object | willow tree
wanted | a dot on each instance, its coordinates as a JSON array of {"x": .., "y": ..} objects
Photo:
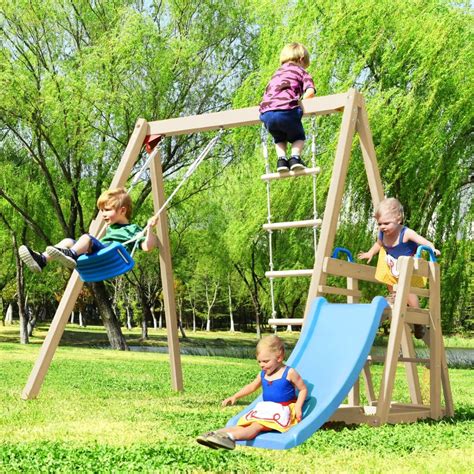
[
  {"x": 412, "y": 61},
  {"x": 76, "y": 76}
]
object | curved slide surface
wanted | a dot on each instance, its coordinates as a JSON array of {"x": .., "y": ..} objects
[{"x": 330, "y": 353}]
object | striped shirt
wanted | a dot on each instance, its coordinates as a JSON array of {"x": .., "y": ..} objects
[{"x": 285, "y": 88}]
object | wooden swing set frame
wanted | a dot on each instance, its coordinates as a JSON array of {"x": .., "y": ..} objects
[{"x": 381, "y": 409}]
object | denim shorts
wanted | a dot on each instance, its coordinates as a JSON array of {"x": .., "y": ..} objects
[
  {"x": 96, "y": 244},
  {"x": 284, "y": 125}
]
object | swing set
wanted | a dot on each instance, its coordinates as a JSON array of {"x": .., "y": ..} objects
[{"x": 400, "y": 349}]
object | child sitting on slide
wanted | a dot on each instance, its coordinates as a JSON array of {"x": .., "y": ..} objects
[
  {"x": 116, "y": 208},
  {"x": 281, "y": 408},
  {"x": 395, "y": 240}
]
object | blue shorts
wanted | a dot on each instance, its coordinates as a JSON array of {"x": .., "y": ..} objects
[
  {"x": 96, "y": 244},
  {"x": 284, "y": 125}
]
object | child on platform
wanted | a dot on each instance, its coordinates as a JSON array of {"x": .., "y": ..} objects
[
  {"x": 281, "y": 408},
  {"x": 395, "y": 240},
  {"x": 280, "y": 109},
  {"x": 116, "y": 208}
]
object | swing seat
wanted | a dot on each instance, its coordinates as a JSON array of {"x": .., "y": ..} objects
[{"x": 109, "y": 262}]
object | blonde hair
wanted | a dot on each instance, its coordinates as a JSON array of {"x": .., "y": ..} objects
[
  {"x": 295, "y": 52},
  {"x": 391, "y": 205},
  {"x": 116, "y": 198},
  {"x": 272, "y": 343}
]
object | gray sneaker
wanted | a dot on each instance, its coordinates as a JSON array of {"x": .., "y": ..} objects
[
  {"x": 35, "y": 261},
  {"x": 204, "y": 439},
  {"x": 220, "y": 440},
  {"x": 64, "y": 256}
]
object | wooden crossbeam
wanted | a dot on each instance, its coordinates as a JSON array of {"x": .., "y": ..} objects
[{"x": 323, "y": 105}]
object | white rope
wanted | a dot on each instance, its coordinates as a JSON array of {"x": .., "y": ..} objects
[
  {"x": 189, "y": 172},
  {"x": 264, "y": 139},
  {"x": 313, "y": 165}
]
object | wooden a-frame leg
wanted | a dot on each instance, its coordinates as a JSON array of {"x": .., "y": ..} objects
[
  {"x": 75, "y": 284},
  {"x": 166, "y": 269},
  {"x": 335, "y": 193}
]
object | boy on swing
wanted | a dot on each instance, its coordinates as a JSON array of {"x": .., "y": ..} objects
[{"x": 116, "y": 208}]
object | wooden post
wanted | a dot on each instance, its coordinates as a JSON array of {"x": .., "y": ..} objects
[
  {"x": 166, "y": 270},
  {"x": 336, "y": 189},
  {"x": 435, "y": 342},
  {"x": 393, "y": 347},
  {"x": 75, "y": 284},
  {"x": 354, "y": 394}
]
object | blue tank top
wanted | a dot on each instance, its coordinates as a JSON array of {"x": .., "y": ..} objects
[
  {"x": 406, "y": 249},
  {"x": 280, "y": 390}
]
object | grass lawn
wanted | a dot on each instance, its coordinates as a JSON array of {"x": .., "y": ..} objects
[{"x": 108, "y": 411}]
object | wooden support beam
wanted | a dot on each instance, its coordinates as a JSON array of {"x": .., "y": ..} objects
[
  {"x": 166, "y": 270},
  {"x": 323, "y": 105},
  {"x": 75, "y": 284},
  {"x": 335, "y": 193},
  {"x": 368, "y": 153},
  {"x": 393, "y": 347},
  {"x": 335, "y": 266}
]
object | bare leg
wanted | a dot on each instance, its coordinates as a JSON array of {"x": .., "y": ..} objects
[
  {"x": 64, "y": 244},
  {"x": 243, "y": 432},
  {"x": 82, "y": 245},
  {"x": 297, "y": 147},
  {"x": 281, "y": 149}
]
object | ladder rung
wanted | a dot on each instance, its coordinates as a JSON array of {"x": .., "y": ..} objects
[
  {"x": 416, "y": 360},
  {"x": 289, "y": 273},
  {"x": 286, "y": 322},
  {"x": 294, "y": 224},
  {"x": 291, "y": 174}
]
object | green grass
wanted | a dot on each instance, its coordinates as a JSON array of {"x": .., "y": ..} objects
[{"x": 108, "y": 411}]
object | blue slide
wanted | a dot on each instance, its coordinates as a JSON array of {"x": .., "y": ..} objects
[{"x": 330, "y": 353}]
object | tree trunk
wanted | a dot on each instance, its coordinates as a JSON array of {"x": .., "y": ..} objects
[
  {"x": 72, "y": 317},
  {"x": 9, "y": 315},
  {"x": 146, "y": 312},
  {"x": 110, "y": 321},
  {"x": 231, "y": 316},
  {"x": 20, "y": 294},
  {"x": 82, "y": 324}
]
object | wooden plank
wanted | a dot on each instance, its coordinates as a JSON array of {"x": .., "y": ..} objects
[
  {"x": 51, "y": 342},
  {"x": 368, "y": 153},
  {"x": 291, "y": 174},
  {"x": 286, "y": 322},
  {"x": 166, "y": 270},
  {"x": 335, "y": 193},
  {"x": 417, "y": 315},
  {"x": 435, "y": 341},
  {"x": 393, "y": 347},
  {"x": 333, "y": 290},
  {"x": 323, "y": 105},
  {"x": 417, "y": 360},
  {"x": 421, "y": 267},
  {"x": 292, "y": 225},
  {"x": 288, "y": 273},
  {"x": 74, "y": 286},
  {"x": 335, "y": 266}
]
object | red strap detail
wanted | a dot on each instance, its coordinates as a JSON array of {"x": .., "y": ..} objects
[{"x": 151, "y": 141}]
